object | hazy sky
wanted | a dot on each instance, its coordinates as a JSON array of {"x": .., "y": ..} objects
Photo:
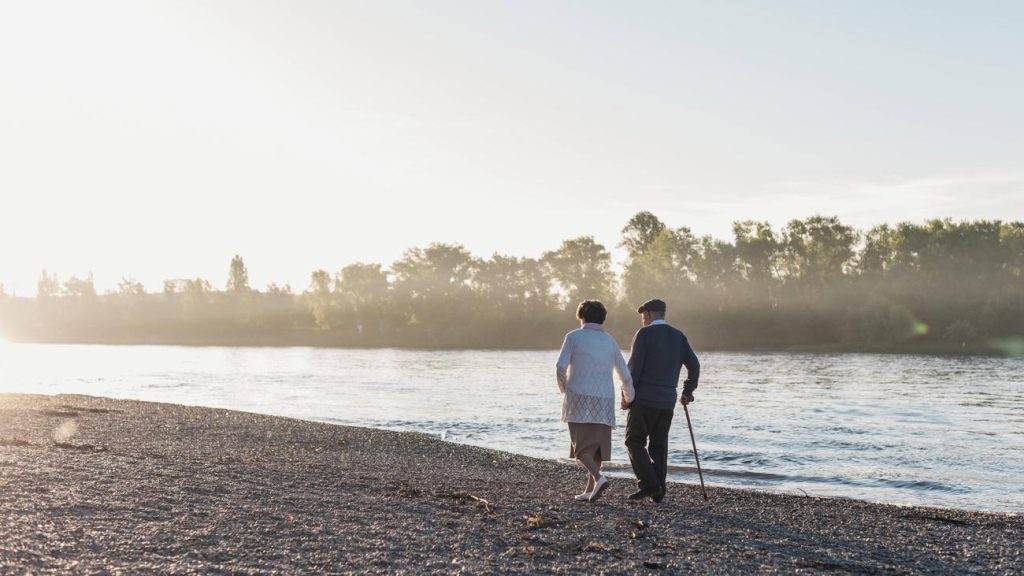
[{"x": 157, "y": 139}]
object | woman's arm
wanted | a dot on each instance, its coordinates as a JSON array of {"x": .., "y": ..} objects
[
  {"x": 562, "y": 366},
  {"x": 627, "y": 390}
]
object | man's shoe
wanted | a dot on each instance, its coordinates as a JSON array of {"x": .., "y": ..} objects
[
  {"x": 658, "y": 496},
  {"x": 599, "y": 488},
  {"x": 644, "y": 493}
]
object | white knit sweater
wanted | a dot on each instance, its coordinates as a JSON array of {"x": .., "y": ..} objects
[{"x": 584, "y": 371}]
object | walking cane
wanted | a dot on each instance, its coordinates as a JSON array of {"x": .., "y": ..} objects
[{"x": 697, "y": 458}]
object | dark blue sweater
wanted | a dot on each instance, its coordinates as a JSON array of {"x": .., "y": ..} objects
[{"x": 658, "y": 355}]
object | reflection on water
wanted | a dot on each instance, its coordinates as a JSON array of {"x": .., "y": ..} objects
[{"x": 902, "y": 429}]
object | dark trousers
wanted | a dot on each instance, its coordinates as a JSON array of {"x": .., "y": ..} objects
[{"x": 647, "y": 443}]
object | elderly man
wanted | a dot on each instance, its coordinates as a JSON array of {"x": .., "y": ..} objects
[{"x": 659, "y": 352}]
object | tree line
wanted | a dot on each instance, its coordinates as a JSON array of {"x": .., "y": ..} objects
[{"x": 816, "y": 283}]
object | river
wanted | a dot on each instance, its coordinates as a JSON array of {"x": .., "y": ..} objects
[{"x": 903, "y": 429}]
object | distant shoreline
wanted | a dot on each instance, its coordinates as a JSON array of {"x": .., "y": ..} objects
[
  {"x": 94, "y": 484},
  {"x": 328, "y": 340}
]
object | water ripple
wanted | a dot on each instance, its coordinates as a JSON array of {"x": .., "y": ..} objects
[{"x": 878, "y": 427}]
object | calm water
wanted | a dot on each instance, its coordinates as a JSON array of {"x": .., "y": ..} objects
[{"x": 900, "y": 429}]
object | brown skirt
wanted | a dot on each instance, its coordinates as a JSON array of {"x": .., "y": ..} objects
[{"x": 587, "y": 438}]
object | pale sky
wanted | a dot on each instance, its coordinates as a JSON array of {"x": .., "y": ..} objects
[{"x": 157, "y": 139}]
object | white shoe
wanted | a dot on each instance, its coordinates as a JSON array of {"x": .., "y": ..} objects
[
  {"x": 599, "y": 487},
  {"x": 582, "y": 497}
]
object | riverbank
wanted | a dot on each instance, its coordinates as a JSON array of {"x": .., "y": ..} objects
[
  {"x": 1006, "y": 347},
  {"x": 92, "y": 484}
]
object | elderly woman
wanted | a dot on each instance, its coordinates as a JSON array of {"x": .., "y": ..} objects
[{"x": 584, "y": 371}]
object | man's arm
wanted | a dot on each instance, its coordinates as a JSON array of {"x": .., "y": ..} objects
[
  {"x": 692, "y": 371},
  {"x": 636, "y": 357}
]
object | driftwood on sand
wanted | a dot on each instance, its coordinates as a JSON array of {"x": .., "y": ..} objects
[{"x": 97, "y": 485}]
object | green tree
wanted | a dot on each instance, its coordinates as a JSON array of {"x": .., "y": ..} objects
[
  {"x": 515, "y": 287},
  {"x": 714, "y": 267},
  {"x": 1011, "y": 237},
  {"x": 238, "y": 276},
  {"x": 583, "y": 269},
  {"x": 640, "y": 232},
  {"x": 279, "y": 290},
  {"x": 81, "y": 288},
  {"x": 966, "y": 250},
  {"x": 433, "y": 288},
  {"x": 48, "y": 286},
  {"x": 130, "y": 287},
  {"x": 319, "y": 282},
  {"x": 878, "y": 254},
  {"x": 818, "y": 249},
  {"x": 318, "y": 298},
  {"x": 958, "y": 284},
  {"x": 757, "y": 250},
  {"x": 907, "y": 242},
  {"x": 439, "y": 270},
  {"x": 198, "y": 290},
  {"x": 535, "y": 279},
  {"x": 665, "y": 268},
  {"x": 364, "y": 294}
]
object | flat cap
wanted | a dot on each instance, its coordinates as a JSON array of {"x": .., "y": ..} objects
[{"x": 651, "y": 306}]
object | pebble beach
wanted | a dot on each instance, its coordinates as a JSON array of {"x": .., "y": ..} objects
[{"x": 93, "y": 485}]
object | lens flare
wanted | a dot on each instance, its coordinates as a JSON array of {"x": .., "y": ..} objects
[
  {"x": 1012, "y": 347},
  {"x": 65, "y": 431}
]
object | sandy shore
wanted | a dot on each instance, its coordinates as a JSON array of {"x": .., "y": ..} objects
[{"x": 106, "y": 486}]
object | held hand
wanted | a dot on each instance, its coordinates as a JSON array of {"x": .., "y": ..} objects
[
  {"x": 686, "y": 399},
  {"x": 623, "y": 404}
]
